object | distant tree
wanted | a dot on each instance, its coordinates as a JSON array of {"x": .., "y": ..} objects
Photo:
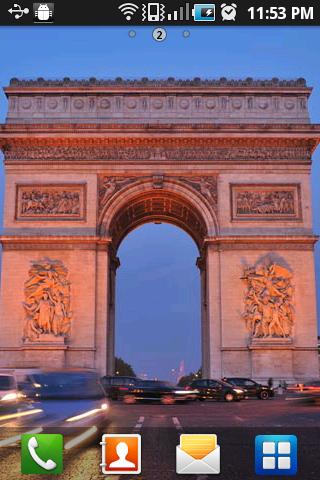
[
  {"x": 124, "y": 369},
  {"x": 184, "y": 381}
]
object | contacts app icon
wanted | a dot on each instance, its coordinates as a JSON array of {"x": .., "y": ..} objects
[{"x": 121, "y": 454}]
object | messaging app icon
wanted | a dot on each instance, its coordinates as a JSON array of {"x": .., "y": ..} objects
[
  {"x": 198, "y": 454},
  {"x": 42, "y": 454}
]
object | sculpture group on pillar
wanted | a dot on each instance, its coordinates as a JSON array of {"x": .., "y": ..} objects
[
  {"x": 47, "y": 300},
  {"x": 269, "y": 311}
]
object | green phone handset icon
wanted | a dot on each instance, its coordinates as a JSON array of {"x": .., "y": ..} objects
[
  {"x": 42, "y": 454},
  {"x": 32, "y": 445}
]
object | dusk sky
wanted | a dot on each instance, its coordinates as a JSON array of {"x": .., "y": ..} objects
[{"x": 158, "y": 304}]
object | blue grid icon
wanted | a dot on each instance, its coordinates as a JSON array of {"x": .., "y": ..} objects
[{"x": 276, "y": 455}]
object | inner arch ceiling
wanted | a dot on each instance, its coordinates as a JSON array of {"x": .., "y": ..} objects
[{"x": 163, "y": 207}]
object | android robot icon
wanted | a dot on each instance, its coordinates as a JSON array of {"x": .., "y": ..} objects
[
  {"x": 229, "y": 12},
  {"x": 43, "y": 12}
]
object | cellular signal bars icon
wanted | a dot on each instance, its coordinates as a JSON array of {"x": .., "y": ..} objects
[{"x": 182, "y": 14}]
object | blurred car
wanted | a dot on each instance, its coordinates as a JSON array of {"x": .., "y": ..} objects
[
  {"x": 70, "y": 400},
  {"x": 210, "y": 389},
  {"x": 155, "y": 391},
  {"x": 117, "y": 386},
  {"x": 8, "y": 388},
  {"x": 11, "y": 399},
  {"x": 252, "y": 388},
  {"x": 71, "y": 403},
  {"x": 306, "y": 393},
  {"x": 312, "y": 386}
]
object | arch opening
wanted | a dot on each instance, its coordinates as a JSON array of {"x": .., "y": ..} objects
[
  {"x": 158, "y": 314},
  {"x": 142, "y": 205}
]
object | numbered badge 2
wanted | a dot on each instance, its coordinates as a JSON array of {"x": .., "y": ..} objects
[{"x": 159, "y": 34}]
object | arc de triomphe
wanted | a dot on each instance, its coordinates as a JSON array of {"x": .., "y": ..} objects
[{"x": 227, "y": 161}]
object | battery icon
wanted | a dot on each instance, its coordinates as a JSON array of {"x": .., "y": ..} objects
[{"x": 204, "y": 12}]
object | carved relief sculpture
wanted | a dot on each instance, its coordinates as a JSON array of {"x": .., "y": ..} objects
[
  {"x": 46, "y": 202},
  {"x": 47, "y": 300},
  {"x": 252, "y": 202},
  {"x": 207, "y": 186},
  {"x": 216, "y": 152},
  {"x": 108, "y": 186},
  {"x": 269, "y": 311}
]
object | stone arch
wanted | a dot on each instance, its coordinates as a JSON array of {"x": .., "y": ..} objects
[
  {"x": 170, "y": 201},
  {"x": 177, "y": 201}
]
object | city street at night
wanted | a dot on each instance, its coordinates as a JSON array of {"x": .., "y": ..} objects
[{"x": 236, "y": 425}]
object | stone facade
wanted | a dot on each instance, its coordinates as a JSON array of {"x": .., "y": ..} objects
[{"x": 227, "y": 161}]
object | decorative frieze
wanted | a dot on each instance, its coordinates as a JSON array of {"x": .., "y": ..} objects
[
  {"x": 266, "y": 202},
  {"x": 165, "y": 107},
  {"x": 269, "y": 310},
  {"x": 47, "y": 301},
  {"x": 184, "y": 153},
  {"x": 174, "y": 101},
  {"x": 51, "y": 202}
]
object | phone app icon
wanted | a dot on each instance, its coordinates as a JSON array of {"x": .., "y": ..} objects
[
  {"x": 42, "y": 454},
  {"x": 121, "y": 454}
]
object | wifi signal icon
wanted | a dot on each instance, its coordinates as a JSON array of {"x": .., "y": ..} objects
[{"x": 128, "y": 10}]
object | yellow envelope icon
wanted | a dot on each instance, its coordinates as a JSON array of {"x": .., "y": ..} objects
[{"x": 198, "y": 454}]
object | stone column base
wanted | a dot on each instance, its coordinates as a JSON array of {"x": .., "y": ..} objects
[{"x": 46, "y": 352}]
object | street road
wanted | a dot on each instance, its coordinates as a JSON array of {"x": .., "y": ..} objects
[{"x": 236, "y": 425}]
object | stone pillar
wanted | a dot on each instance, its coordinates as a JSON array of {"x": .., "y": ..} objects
[
  {"x": 114, "y": 265},
  {"x": 213, "y": 334},
  {"x": 102, "y": 308},
  {"x": 205, "y": 364}
]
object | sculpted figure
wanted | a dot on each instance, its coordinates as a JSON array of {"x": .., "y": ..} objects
[
  {"x": 205, "y": 188},
  {"x": 60, "y": 317},
  {"x": 47, "y": 305},
  {"x": 109, "y": 188},
  {"x": 269, "y": 309},
  {"x": 45, "y": 313}
]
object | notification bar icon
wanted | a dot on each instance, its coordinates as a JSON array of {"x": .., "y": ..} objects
[
  {"x": 18, "y": 11},
  {"x": 204, "y": 12}
]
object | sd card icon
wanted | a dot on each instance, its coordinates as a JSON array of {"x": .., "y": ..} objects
[{"x": 204, "y": 12}]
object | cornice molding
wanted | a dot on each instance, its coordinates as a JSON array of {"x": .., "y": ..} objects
[
  {"x": 218, "y": 240},
  {"x": 245, "y": 239},
  {"x": 166, "y": 128},
  {"x": 53, "y": 240},
  {"x": 156, "y": 83},
  {"x": 262, "y": 242},
  {"x": 156, "y": 136}
]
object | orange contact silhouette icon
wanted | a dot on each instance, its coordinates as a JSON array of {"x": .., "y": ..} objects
[{"x": 121, "y": 454}]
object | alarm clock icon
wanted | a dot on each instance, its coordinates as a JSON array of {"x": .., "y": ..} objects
[{"x": 229, "y": 12}]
